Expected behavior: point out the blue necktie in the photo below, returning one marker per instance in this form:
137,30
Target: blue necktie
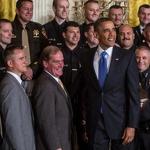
102,68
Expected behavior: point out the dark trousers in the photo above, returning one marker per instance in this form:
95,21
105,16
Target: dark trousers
103,142
143,141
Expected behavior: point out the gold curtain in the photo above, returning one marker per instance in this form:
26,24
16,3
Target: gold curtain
133,9
7,9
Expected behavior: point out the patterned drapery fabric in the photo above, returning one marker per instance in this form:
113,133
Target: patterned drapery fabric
7,9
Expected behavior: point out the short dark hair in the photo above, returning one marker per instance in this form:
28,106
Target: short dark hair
90,1
3,20
9,51
88,26
55,3
20,2
143,6
115,7
142,47
99,22
48,52
70,24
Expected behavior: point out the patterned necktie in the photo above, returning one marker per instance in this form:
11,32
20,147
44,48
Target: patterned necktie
102,68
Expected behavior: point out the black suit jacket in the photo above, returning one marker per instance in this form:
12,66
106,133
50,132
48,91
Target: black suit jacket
119,98
139,38
53,114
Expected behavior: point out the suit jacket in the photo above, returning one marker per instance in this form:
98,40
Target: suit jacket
119,97
53,114
139,38
16,116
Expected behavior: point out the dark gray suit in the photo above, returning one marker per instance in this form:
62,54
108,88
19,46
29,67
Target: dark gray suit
16,116
53,114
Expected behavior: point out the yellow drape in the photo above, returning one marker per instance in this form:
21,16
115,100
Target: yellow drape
7,9
133,9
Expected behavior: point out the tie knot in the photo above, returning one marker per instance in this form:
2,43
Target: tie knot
104,54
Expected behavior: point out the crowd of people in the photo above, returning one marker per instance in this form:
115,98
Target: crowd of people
71,86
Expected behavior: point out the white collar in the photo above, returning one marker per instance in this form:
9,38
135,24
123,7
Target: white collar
57,79
109,50
17,77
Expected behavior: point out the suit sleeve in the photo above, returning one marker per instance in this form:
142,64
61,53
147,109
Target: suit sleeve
11,109
44,106
133,91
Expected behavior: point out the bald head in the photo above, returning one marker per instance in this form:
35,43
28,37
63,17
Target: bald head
126,36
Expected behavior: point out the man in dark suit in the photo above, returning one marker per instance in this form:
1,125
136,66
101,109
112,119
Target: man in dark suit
144,18
111,92
52,108
15,109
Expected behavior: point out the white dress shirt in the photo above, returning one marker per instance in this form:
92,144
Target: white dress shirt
97,57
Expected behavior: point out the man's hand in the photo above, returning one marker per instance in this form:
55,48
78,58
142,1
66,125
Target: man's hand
28,75
128,135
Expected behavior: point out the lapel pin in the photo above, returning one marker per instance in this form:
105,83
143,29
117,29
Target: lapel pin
117,59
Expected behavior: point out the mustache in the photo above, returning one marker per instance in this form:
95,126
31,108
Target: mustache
126,39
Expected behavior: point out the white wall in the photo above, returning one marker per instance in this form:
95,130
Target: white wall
42,11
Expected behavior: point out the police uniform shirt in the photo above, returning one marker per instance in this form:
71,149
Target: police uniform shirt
37,40
54,32
71,71
145,94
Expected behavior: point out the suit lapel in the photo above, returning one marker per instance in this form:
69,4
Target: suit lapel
115,59
60,89
92,74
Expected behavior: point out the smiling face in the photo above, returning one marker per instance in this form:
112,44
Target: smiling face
92,12
116,15
144,16
25,12
61,9
106,34
126,36
72,36
143,59
55,64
